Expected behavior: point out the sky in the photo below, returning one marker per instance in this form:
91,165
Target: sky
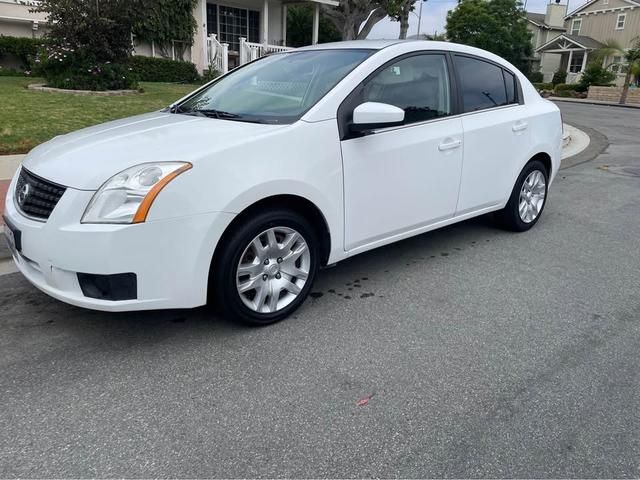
434,14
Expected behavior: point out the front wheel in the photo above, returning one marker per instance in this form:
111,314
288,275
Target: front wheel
527,199
266,268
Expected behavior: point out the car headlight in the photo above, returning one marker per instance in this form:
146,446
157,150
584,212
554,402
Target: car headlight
127,196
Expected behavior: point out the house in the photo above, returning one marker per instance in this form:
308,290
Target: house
545,27
587,29
228,33
17,20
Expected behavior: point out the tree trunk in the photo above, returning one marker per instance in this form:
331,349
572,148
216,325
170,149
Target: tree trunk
377,15
404,25
625,87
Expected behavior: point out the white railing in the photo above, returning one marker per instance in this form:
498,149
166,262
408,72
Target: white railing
250,51
217,54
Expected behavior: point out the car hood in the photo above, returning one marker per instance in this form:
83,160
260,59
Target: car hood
87,158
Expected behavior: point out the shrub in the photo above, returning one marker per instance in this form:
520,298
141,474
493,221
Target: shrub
595,74
12,72
566,87
536,77
543,86
148,69
25,49
89,43
559,77
209,74
62,67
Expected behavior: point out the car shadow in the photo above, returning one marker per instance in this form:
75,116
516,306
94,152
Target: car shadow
24,307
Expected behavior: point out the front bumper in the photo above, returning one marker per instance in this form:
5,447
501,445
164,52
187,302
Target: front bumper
170,257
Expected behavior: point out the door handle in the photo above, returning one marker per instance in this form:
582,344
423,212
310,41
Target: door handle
449,144
519,126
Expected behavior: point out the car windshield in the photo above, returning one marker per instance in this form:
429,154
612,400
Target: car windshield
277,89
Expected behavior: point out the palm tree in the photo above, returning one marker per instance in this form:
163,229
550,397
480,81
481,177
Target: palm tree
632,56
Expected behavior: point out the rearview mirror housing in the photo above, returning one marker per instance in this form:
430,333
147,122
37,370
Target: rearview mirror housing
372,115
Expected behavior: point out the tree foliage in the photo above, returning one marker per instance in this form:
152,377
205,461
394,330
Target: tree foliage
498,26
300,25
165,21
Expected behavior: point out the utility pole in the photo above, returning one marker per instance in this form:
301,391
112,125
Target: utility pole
420,17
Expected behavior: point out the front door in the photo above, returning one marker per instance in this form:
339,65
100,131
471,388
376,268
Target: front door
400,179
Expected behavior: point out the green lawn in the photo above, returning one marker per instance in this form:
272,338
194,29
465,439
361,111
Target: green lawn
29,118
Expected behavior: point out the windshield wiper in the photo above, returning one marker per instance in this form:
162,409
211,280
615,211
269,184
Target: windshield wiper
210,112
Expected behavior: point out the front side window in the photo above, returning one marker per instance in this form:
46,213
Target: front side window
482,84
277,88
620,21
575,26
418,84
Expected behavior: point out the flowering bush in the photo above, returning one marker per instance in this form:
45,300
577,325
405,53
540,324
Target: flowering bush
89,44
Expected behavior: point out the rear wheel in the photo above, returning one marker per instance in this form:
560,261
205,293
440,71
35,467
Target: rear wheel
528,198
266,268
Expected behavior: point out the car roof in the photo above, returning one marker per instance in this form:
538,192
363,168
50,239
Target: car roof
351,44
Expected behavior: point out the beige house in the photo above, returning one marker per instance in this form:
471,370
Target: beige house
228,33
586,29
544,27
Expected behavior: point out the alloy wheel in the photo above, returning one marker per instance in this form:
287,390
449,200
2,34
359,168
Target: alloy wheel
532,196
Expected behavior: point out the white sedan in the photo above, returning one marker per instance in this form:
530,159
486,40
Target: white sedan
241,191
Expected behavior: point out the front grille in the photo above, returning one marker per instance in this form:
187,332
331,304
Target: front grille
35,196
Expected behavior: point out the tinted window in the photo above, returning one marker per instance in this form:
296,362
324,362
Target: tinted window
418,84
510,84
482,84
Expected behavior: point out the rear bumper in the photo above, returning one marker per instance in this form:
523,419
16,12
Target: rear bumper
170,258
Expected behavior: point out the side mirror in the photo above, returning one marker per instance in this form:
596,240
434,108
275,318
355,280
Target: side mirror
372,115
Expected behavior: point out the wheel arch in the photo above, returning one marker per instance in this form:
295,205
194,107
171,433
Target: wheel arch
545,158
296,203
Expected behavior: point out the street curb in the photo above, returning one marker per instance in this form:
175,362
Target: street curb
592,102
598,144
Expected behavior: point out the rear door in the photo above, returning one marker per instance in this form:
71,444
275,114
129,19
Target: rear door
496,132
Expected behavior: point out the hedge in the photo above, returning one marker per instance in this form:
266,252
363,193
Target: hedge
25,49
536,77
572,87
543,86
149,69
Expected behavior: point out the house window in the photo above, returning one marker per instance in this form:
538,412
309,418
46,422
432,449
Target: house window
575,26
230,23
576,61
605,2
620,22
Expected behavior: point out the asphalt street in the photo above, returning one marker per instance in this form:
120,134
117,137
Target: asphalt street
466,352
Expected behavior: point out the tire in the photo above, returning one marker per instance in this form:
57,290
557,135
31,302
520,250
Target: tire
535,199
270,291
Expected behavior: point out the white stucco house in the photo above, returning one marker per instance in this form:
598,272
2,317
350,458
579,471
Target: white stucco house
228,33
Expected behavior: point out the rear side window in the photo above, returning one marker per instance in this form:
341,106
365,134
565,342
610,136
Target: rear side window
510,84
482,84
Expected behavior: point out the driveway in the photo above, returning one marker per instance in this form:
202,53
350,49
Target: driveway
466,352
